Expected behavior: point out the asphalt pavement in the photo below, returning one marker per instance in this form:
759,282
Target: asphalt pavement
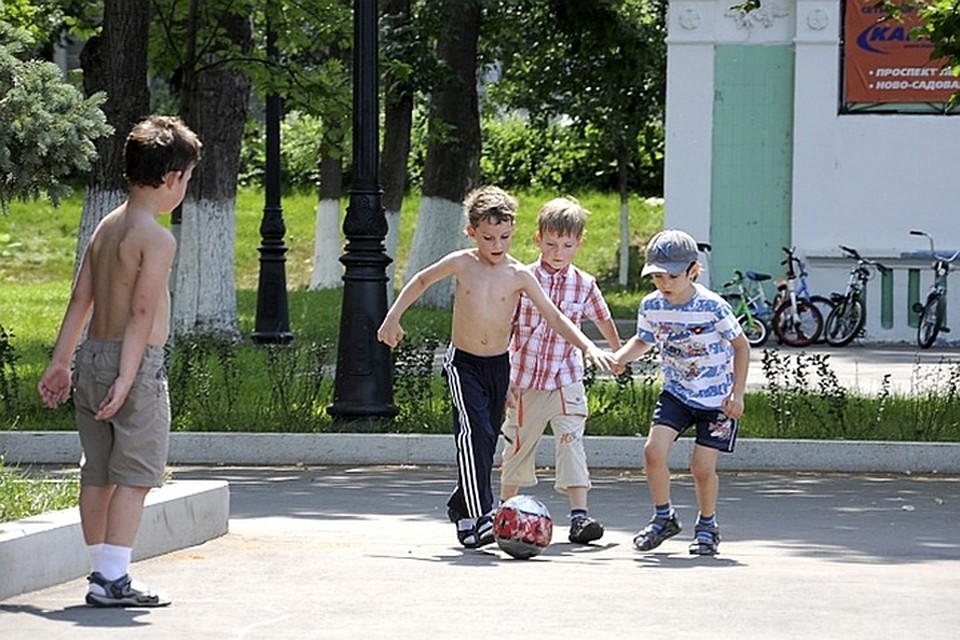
366,552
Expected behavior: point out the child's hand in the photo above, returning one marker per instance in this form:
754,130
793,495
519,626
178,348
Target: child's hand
513,396
54,385
618,368
113,401
390,333
601,359
732,406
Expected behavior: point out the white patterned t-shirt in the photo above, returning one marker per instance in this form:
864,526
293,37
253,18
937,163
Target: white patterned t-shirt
696,356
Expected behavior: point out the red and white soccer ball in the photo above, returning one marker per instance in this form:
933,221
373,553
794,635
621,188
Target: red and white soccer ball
523,527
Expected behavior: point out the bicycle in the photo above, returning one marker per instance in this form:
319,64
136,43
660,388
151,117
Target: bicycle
797,321
823,303
752,310
846,320
933,309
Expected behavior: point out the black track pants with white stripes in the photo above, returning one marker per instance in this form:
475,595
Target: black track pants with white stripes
478,388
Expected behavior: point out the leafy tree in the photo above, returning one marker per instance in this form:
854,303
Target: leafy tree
202,45
941,26
114,61
452,165
601,65
47,127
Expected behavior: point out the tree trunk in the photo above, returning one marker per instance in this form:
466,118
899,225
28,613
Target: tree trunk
397,124
114,62
327,244
623,182
452,165
214,104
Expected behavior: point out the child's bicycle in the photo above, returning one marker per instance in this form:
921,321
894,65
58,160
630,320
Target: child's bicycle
846,320
933,308
797,321
750,305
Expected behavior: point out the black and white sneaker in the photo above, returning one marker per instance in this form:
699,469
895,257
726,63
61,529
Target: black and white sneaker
122,593
584,529
475,534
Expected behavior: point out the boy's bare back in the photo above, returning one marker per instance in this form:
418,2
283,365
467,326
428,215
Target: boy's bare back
129,260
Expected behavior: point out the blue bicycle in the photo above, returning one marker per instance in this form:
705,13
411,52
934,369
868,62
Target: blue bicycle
799,316
750,305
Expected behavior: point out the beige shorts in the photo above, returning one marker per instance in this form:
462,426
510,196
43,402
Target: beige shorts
566,411
130,449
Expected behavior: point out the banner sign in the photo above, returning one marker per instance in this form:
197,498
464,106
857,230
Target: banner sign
883,64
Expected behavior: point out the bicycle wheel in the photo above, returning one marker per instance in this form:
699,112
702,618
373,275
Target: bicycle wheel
824,305
754,329
931,319
797,327
844,322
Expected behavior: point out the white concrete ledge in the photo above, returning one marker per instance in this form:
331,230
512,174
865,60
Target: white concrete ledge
848,456
48,549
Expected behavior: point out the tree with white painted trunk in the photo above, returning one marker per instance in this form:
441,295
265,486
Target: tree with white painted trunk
452,166
114,62
328,242
213,102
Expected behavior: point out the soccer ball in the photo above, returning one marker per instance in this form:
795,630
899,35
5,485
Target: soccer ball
523,527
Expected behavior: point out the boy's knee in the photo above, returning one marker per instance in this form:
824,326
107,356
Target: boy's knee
703,470
654,456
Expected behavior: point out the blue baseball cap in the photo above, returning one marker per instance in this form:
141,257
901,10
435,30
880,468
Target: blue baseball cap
670,251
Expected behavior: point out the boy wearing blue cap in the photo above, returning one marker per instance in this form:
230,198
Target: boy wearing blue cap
704,360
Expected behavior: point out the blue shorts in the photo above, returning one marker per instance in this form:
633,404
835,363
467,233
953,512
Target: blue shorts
714,429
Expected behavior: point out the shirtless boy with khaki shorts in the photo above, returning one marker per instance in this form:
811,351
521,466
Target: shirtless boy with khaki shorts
119,383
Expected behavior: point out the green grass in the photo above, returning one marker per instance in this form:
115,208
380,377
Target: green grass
25,492
244,387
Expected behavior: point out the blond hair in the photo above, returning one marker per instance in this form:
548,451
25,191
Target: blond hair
563,216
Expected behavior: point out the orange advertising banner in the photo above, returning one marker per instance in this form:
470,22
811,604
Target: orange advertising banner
883,64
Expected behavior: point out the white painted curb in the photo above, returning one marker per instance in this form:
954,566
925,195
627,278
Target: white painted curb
48,549
846,456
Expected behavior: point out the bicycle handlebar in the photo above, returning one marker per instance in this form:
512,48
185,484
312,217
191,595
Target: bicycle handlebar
859,258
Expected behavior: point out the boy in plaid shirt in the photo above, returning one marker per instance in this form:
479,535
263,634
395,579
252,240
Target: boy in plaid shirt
546,370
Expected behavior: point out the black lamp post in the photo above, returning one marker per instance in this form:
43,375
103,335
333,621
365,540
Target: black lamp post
363,387
272,323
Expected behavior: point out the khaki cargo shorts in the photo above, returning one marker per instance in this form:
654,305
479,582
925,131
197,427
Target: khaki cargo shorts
129,449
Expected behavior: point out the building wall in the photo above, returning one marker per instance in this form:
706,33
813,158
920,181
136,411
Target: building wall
859,180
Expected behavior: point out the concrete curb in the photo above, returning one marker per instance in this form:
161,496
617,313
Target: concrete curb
48,549
847,456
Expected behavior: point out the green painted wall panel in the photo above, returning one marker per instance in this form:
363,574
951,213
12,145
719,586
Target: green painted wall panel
752,158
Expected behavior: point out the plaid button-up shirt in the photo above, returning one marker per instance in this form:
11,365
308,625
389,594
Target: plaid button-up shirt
540,358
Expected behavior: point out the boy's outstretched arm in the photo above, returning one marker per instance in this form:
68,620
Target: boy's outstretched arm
608,329
733,404
560,323
390,331
631,350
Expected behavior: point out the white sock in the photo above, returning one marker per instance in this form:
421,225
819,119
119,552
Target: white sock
114,561
95,551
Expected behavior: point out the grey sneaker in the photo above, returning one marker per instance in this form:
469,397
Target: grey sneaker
706,544
658,530
584,529
121,593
